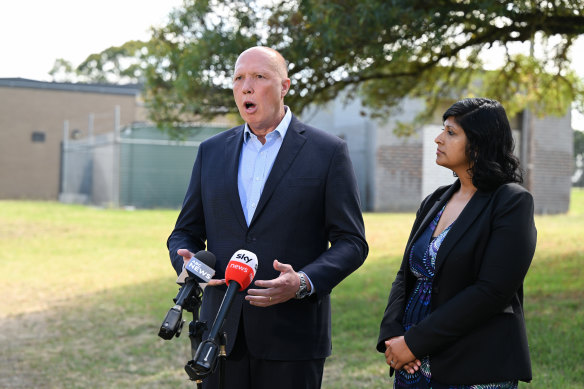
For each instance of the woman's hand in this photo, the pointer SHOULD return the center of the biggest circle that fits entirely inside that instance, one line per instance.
(398, 355)
(412, 367)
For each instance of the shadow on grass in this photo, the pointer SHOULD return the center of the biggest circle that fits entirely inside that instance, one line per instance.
(109, 340)
(106, 340)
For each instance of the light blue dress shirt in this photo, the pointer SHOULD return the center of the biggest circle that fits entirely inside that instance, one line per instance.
(255, 163)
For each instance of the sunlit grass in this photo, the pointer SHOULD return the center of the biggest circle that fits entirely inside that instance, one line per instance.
(52, 252)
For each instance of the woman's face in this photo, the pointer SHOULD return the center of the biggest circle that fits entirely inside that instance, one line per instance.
(451, 151)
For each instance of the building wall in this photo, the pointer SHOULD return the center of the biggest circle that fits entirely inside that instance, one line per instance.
(397, 173)
(31, 170)
(398, 178)
(346, 121)
(551, 174)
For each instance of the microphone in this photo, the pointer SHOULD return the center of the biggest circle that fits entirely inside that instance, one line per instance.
(239, 274)
(199, 269)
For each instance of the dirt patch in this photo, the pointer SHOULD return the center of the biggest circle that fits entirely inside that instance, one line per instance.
(17, 336)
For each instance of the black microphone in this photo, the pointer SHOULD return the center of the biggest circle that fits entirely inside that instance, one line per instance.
(238, 276)
(199, 269)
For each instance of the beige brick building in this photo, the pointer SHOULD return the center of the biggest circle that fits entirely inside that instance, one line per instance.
(32, 121)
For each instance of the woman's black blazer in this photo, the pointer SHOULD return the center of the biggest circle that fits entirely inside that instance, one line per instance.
(475, 332)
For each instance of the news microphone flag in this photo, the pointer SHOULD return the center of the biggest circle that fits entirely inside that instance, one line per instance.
(199, 266)
(241, 268)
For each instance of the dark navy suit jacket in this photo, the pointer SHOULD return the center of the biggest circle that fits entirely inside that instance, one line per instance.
(310, 199)
(475, 333)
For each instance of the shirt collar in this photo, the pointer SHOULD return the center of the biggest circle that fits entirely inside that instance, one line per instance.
(281, 129)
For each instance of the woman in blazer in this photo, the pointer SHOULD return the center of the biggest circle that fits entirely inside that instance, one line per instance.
(454, 318)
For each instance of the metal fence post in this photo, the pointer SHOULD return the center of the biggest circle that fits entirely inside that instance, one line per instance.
(116, 161)
(65, 159)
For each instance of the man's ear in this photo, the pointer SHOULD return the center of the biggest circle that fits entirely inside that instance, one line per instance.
(285, 87)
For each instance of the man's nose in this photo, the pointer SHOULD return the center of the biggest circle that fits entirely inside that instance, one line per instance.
(247, 86)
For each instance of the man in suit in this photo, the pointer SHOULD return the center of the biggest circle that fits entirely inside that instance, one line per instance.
(287, 192)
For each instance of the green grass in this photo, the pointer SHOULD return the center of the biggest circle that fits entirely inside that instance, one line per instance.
(84, 291)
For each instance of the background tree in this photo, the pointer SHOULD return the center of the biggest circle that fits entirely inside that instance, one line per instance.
(379, 50)
(62, 71)
(121, 64)
(116, 64)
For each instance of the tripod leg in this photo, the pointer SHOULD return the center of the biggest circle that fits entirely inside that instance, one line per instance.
(222, 357)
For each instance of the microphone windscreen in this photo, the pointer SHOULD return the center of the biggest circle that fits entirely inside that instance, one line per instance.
(201, 266)
(241, 268)
(207, 257)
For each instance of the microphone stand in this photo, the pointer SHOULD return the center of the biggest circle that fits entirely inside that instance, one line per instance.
(212, 351)
(222, 357)
(196, 329)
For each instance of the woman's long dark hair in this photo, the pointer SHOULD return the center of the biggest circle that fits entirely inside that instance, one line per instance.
(490, 142)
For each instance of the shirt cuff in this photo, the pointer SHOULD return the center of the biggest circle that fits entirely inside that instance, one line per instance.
(311, 284)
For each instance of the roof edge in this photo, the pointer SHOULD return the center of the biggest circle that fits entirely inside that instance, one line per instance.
(126, 89)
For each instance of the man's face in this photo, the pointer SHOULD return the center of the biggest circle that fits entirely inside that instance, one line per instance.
(259, 88)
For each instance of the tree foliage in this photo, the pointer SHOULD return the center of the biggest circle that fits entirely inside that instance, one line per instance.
(62, 71)
(116, 64)
(379, 50)
(125, 63)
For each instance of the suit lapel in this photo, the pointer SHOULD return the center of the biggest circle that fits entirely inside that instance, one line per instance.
(291, 145)
(232, 152)
(438, 204)
(464, 221)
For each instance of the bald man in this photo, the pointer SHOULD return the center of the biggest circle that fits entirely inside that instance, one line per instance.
(286, 192)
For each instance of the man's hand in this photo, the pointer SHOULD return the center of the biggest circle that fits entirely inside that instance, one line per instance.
(276, 291)
(187, 255)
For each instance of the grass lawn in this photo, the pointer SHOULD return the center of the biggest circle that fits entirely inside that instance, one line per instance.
(84, 291)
